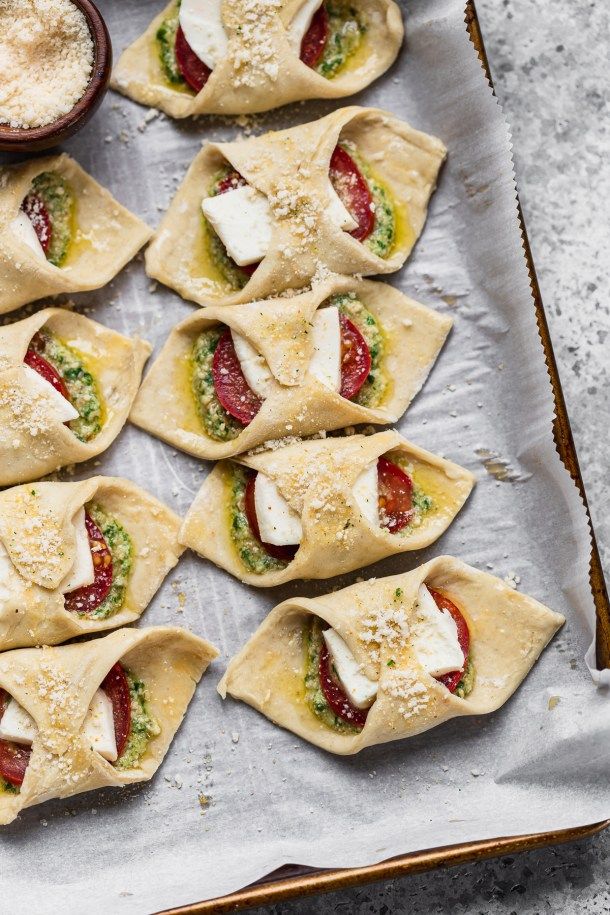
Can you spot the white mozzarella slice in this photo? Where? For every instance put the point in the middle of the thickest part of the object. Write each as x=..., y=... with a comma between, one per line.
x=253, y=365
x=300, y=24
x=17, y=725
x=278, y=523
x=366, y=493
x=98, y=728
x=242, y=219
x=325, y=363
x=24, y=230
x=435, y=637
x=63, y=409
x=338, y=212
x=82, y=572
x=360, y=691
x=201, y=22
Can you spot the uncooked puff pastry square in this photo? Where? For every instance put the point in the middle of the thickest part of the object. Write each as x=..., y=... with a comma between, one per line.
x=260, y=70
x=297, y=403
x=56, y=685
x=40, y=528
x=291, y=168
x=104, y=236
x=378, y=620
x=318, y=480
x=102, y=373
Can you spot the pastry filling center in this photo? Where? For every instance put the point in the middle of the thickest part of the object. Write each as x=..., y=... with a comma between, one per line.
x=365, y=197
x=118, y=725
x=258, y=557
x=336, y=691
x=440, y=642
x=65, y=370
x=46, y=220
x=111, y=557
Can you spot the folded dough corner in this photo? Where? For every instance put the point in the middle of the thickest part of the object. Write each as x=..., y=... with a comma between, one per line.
x=324, y=483
x=382, y=624
x=79, y=558
x=179, y=403
x=60, y=231
x=55, y=687
x=260, y=68
x=303, y=179
x=66, y=386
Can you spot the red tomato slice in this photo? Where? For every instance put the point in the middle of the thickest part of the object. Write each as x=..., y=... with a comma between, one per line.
x=46, y=371
x=395, y=495
x=14, y=758
x=452, y=679
x=315, y=38
x=355, y=358
x=231, y=182
x=89, y=597
x=116, y=687
x=351, y=186
x=334, y=695
x=232, y=389
x=285, y=553
x=37, y=213
x=192, y=69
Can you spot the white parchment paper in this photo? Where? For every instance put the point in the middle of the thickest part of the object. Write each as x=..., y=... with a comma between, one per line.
x=274, y=799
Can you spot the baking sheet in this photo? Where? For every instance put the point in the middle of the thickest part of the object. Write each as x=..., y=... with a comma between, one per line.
x=532, y=766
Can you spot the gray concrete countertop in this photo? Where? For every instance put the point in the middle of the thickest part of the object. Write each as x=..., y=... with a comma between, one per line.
x=550, y=68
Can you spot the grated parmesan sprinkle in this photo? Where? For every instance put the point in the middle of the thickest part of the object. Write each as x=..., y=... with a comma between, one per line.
x=384, y=624
x=46, y=58
x=254, y=56
x=411, y=693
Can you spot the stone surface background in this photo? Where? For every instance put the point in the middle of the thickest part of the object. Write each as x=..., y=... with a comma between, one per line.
x=550, y=68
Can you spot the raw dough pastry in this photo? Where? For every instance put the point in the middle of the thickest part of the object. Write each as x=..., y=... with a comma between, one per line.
x=38, y=548
x=317, y=478
x=33, y=439
x=56, y=686
x=299, y=404
x=375, y=618
x=260, y=70
x=291, y=167
x=107, y=236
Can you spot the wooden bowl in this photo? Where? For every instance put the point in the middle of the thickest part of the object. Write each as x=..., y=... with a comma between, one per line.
x=32, y=139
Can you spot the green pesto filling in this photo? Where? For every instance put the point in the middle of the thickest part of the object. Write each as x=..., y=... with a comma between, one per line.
x=466, y=684
x=372, y=392
x=8, y=787
x=255, y=558
x=313, y=691
x=166, y=46
x=218, y=424
x=233, y=274
x=121, y=550
x=58, y=199
x=81, y=385
x=345, y=32
x=143, y=725
x=381, y=240
x=421, y=502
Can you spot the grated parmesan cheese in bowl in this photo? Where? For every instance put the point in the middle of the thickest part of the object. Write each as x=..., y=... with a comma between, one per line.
x=46, y=60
